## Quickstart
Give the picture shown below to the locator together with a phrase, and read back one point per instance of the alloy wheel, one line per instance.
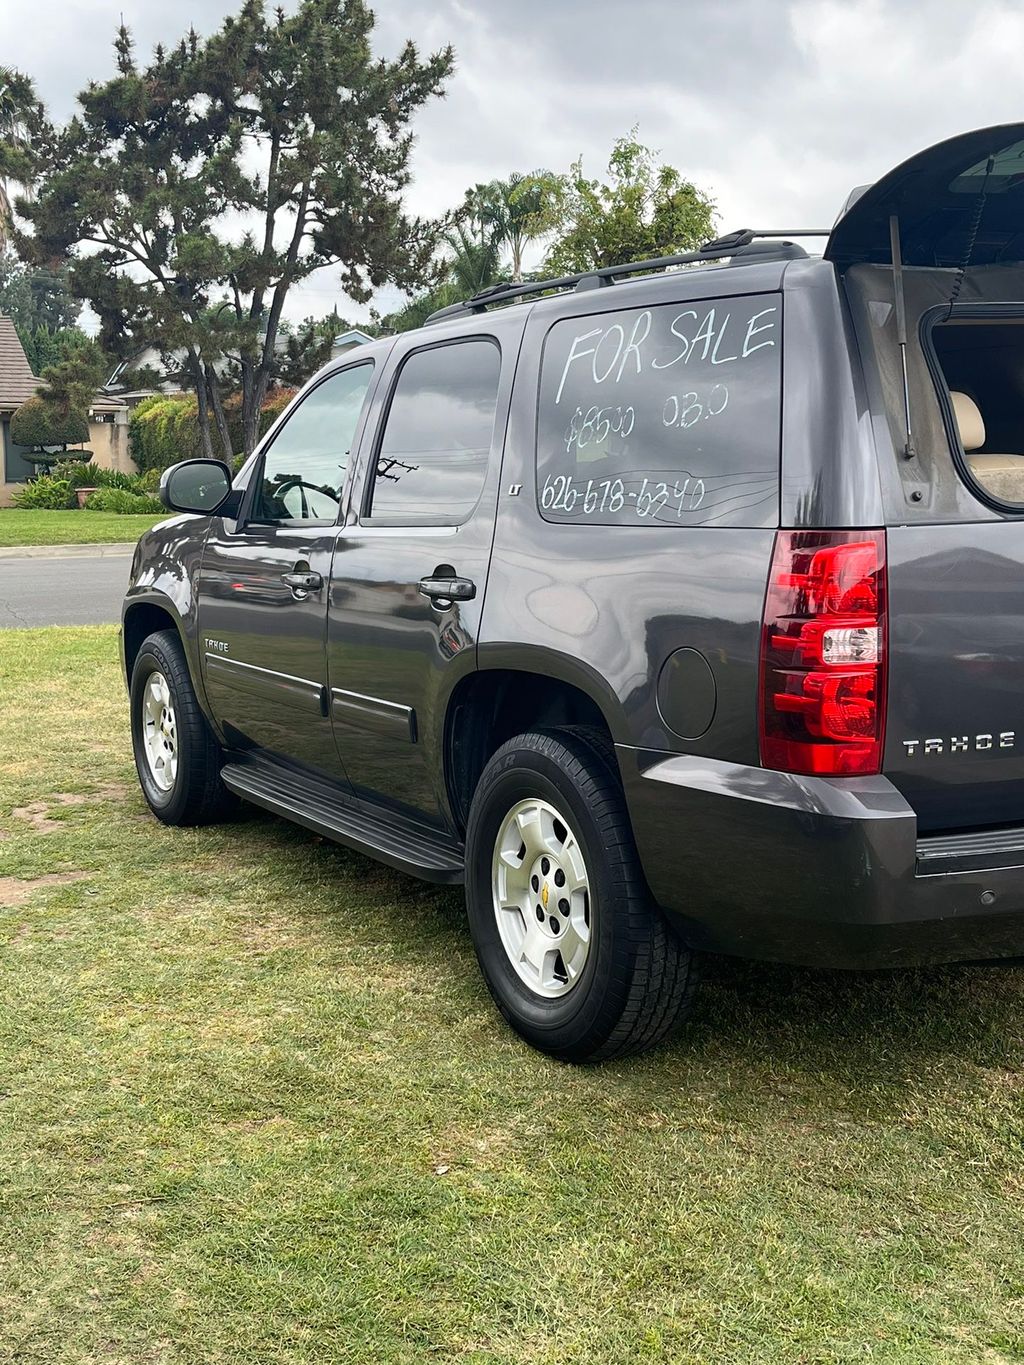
(159, 732)
(541, 893)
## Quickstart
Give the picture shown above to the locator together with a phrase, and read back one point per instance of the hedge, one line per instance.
(163, 430)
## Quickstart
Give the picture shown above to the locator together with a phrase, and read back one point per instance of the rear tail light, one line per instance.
(823, 649)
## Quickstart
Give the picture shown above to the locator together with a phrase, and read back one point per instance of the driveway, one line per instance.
(73, 590)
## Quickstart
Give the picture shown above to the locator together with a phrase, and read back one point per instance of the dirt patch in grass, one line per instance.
(14, 890)
(37, 813)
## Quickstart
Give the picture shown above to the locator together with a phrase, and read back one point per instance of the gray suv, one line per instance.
(674, 607)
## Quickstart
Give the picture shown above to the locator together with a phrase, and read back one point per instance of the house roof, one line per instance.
(353, 337)
(17, 382)
(107, 402)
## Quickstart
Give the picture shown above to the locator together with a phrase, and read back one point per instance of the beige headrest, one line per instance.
(968, 420)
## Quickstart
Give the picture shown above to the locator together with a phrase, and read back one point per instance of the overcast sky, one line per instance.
(776, 109)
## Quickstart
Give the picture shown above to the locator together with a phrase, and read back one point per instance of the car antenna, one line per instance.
(901, 327)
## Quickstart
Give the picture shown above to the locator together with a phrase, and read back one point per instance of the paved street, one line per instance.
(66, 591)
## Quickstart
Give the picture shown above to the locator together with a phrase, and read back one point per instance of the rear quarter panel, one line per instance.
(603, 607)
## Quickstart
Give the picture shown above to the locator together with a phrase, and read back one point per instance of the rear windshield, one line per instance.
(667, 415)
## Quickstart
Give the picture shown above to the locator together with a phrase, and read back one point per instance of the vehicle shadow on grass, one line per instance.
(867, 1036)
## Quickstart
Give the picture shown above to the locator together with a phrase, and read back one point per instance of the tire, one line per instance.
(626, 980)
(184, 786)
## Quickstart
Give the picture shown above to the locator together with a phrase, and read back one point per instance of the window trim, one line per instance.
(255, 483)
(936, 315)
(366, 515)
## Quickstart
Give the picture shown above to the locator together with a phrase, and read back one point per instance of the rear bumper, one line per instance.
(817, 871)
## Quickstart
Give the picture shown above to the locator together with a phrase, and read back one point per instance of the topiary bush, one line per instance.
(45, 493)
(122, 501)
(38, 423)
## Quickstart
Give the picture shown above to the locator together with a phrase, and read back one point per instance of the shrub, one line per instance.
(38, 423)
(79, 475)
(274, 403)
(95, 476)
(44, 493)
(162, 431)
(149, 482)
(123, 502)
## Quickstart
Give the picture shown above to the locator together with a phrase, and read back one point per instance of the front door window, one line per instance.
(304, 467)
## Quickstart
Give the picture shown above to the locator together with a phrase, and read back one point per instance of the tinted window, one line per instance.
(437, 438)
(304, 468)
(665, 415)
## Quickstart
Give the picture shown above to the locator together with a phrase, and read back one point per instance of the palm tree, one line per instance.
(475, 244)
(474, 262)
(515, 210)
(19, 113)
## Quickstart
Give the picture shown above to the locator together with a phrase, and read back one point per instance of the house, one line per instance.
(17, 385)
(108, 418)
(148, 358)
(345, 341)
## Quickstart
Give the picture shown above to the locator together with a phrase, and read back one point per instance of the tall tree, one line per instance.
(642, 210)
(35, 297)
(70, 383)
(516, 209)
(288, 126)
(21, 115)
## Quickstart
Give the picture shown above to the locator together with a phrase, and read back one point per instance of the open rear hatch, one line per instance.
(955, 698)
(936, 196)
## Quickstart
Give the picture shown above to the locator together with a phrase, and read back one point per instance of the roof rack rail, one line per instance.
(732, 244)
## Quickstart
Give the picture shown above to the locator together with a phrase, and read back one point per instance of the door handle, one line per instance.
(444, 591)
(303, 581)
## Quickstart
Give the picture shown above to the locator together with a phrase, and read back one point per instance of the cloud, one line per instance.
(777, 109)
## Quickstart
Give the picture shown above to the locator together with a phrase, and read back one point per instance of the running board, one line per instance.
(382, 834)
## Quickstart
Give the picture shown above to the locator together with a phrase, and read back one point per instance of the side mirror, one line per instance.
(195, 486)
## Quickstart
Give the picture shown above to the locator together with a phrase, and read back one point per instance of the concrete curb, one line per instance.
(121, 548)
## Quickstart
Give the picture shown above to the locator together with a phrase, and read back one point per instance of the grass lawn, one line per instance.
(255, 1106)
(71, 528)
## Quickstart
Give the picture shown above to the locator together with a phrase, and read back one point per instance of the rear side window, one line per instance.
(436, 443)
(979, 353)
(667, 415)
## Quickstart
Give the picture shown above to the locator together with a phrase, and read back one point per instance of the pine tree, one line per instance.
(288, 126)
(21, 116)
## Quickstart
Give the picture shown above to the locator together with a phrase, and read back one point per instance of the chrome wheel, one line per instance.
(159, 733)
(541, 893)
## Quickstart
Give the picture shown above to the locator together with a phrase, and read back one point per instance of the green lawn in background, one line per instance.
(256, 1106)
(71, 528)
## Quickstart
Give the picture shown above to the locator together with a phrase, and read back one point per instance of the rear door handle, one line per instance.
(444, 591)
(303, 581)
